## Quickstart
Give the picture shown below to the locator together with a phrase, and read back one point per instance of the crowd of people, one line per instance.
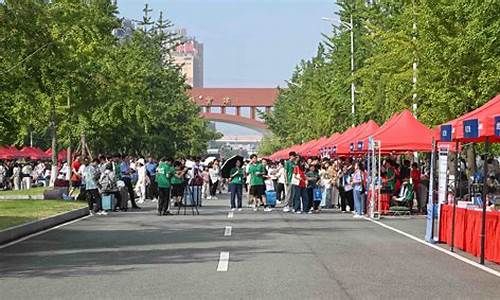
(297, 185)
(305, 185)
(23, 174)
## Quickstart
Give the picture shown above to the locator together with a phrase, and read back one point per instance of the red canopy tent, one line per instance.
(33, 153)
(14, 153)
(305, 149)
(332, 144)
(479, 125)
(359, 141)
(404, 133)
(62, 155)
(350, 145)
(315, 150)
(475, 126)
(5, 153)
(308, 151)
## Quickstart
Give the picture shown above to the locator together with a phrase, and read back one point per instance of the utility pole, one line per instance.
(350, 26)
(53, 170)
(353, 87)
(415, 62)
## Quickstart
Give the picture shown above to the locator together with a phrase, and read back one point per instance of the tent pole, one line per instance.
(457, 175)
(483, 217)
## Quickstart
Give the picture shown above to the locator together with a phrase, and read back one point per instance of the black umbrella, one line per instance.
(229, 164)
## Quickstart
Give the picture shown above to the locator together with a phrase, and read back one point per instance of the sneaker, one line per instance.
(209, 198)
(154, 200)
(91, 213)
(233, 209)
(239, 209)
(255, 209)
(268, 209)
(310, 212)
(298, 212)
(286, 209)
(293, 210)
(215, 198)
(356, 216)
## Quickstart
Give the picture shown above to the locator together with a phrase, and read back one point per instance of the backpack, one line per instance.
(106, 182)
(198, 179)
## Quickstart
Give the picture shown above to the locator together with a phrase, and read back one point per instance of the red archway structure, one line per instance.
(238, 99)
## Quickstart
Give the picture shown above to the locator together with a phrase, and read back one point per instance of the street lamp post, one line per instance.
(350, 26)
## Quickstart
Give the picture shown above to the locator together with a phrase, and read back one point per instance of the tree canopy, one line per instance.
(454, 44)
(125, 94)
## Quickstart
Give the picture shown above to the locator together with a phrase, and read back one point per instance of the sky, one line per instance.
(247, 43)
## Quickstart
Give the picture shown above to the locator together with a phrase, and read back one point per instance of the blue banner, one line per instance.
(497, 126)
(446, 133)
(471, 128)
(360, 146)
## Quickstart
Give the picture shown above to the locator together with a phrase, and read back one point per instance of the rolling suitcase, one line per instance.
(271, 198)
(108, 202)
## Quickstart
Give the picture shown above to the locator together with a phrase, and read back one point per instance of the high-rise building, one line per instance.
(189, 55)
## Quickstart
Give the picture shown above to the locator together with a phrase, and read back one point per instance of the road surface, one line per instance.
(271, 255)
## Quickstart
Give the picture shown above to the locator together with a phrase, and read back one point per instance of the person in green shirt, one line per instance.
(391, 175)
(289, 166)
(164, 173)
(177, 182)
(257, 174)
(236, 186)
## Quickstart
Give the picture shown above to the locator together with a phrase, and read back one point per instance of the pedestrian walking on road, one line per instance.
(257, 173)
(236, 186)
(163, 175)
(214, 172)
(289, 189)
(299, 183)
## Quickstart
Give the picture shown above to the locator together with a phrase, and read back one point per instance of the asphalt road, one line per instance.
(138, 255)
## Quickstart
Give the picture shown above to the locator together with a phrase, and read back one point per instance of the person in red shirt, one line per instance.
(75, 176)
(415, 178)
(299, 183)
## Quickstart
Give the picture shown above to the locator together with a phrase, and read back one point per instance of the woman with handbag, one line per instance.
(299, 183)
(312, 190)
(357, 187)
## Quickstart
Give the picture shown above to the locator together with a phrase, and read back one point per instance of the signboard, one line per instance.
(446, 131)
(351, 147)
(429, 232)
(471, 128)
(360, 146)
(443, 175)
(497, 126)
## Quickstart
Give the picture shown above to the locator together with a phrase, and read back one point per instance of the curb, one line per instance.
(22, 197)
(16, 232)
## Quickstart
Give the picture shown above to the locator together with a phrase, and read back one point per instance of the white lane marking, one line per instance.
(230, 215)
(228, 230)
(42, 232)
(452, 254)
(223, 262)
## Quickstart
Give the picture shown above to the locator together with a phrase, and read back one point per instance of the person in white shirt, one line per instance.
(26, 174)
(281, 175)
(16, 177)
(214, 172)
(142, 180)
